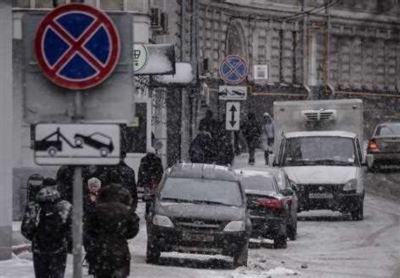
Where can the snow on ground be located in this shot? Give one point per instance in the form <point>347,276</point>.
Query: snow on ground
<point>329,244</point>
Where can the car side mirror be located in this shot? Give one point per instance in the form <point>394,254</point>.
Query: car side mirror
<point>287,192</point>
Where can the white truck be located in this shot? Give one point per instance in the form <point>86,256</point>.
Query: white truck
<point>318,144</point>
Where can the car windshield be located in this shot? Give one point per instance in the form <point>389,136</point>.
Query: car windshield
<point>319,151</point>
<point>388,130</point>
<point>258,182</point>
<point>205,191</point>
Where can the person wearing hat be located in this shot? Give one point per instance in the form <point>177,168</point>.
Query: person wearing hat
<point>268,136</point>
<point>150,173</point>
<point>50,231</point>
<point>89,205</point>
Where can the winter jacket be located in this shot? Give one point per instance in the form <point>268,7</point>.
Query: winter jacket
<point>150,172</point>
<point>124,175</point>
<point>251,129</point>
<point>47,223</point>
<point>112,223</point>
<point>203,149</point>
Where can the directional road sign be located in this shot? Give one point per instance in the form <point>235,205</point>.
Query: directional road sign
<point>232,92</point>
<point>77,46</point>
<point>76,144</point>
<point>232,119</point>
<point>233,69</point>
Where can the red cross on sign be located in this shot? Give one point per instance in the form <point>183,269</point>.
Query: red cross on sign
<point>77,46</point>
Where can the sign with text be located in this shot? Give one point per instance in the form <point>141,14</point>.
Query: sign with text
<point>76,144</point>
<point>232,117</point>
<point>150,59</point>
<point>232,92</point>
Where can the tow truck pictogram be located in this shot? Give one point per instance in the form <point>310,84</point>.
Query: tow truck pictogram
<point>53,146</point>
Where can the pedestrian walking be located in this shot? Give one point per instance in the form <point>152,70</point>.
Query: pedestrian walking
<point>251,131</point>
<point>49,229</point>
<point>112,224</point>
<point>225,154</point>
<point>89,205</point>
<point>268,136</point>
<point>209,124</point>
<point>203,148</point>
<point>150,173</point>
<point>122,174</point>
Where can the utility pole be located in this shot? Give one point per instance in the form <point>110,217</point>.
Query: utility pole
<point>305,43</point>
<point>326,49</point>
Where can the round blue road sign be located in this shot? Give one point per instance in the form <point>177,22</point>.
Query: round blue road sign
<point>233,69</point>
<point>77,46</point>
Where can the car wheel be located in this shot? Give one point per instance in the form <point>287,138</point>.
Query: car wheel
<point>78,141</point>
<point>153,252</point>
<point>104,152</point>
<point>52,151</point>
<point>240,258</point>
<point>292,230</point>
<point>280,242</point>
<point>358,214</point>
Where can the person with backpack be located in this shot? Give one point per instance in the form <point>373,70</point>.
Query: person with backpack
<point>49,229</point>
<point>251,131</point>
<point>112,223</point>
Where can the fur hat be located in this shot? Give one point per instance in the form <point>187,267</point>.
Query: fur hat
<point>49,182</point>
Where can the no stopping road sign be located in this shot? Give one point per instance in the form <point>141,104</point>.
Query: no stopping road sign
<point>77,46</point>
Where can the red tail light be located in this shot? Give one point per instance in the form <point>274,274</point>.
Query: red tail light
<point>270,203</point>
<point>373,146</point>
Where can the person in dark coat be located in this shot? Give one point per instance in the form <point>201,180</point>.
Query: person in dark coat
<point>251,131</point>
<point>89,205</point>
<point>225,154</point>
<point>150,173</point>
<point>124,175</point>
<point>49,229</point>
<point>209,124</point>
<point>203,148</point>
<point>113,223</point>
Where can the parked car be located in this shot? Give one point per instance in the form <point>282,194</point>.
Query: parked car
<point>199,208</point>
<point>272,204</point>
<point>384,146</point>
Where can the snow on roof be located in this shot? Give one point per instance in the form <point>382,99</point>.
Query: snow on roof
<point>332,133</point>
<point>254,172</point>
<point>183,75</point>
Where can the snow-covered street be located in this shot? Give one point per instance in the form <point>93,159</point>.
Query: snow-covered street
<point>328,245</point>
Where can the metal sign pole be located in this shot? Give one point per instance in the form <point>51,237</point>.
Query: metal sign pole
<point>77,212</point>
<point>77,209</point>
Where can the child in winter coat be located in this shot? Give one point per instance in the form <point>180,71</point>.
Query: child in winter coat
<point>48,226</point>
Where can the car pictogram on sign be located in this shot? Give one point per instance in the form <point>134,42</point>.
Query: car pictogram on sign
<point>77,46</point>
<point>96,140</point>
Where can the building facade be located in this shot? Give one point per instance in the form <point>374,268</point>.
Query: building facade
<point>295,49</point>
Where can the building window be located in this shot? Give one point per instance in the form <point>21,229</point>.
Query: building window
<point>137,136</point>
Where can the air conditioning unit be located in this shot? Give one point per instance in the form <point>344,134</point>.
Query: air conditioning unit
<point>260,72</point>
<point>319,115</point>
<point>155,17</point>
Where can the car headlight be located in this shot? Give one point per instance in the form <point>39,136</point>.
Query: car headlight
<point>350,185</point>
<point>163,221</point>
<point>235,226</point>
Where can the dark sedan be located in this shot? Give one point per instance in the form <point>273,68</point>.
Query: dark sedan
<point>272,204</point>
<point>384,146</point>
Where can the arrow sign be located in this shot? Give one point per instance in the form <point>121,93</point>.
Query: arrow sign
<point>232,119</point>
<point>232,110</point>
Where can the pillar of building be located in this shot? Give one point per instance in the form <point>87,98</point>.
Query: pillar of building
<point>6,105</point>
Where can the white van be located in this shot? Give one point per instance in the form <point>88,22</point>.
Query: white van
<point>317,143</point>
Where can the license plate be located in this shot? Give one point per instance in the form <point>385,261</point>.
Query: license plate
<point>197,237</point>
<point>320,195</point>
